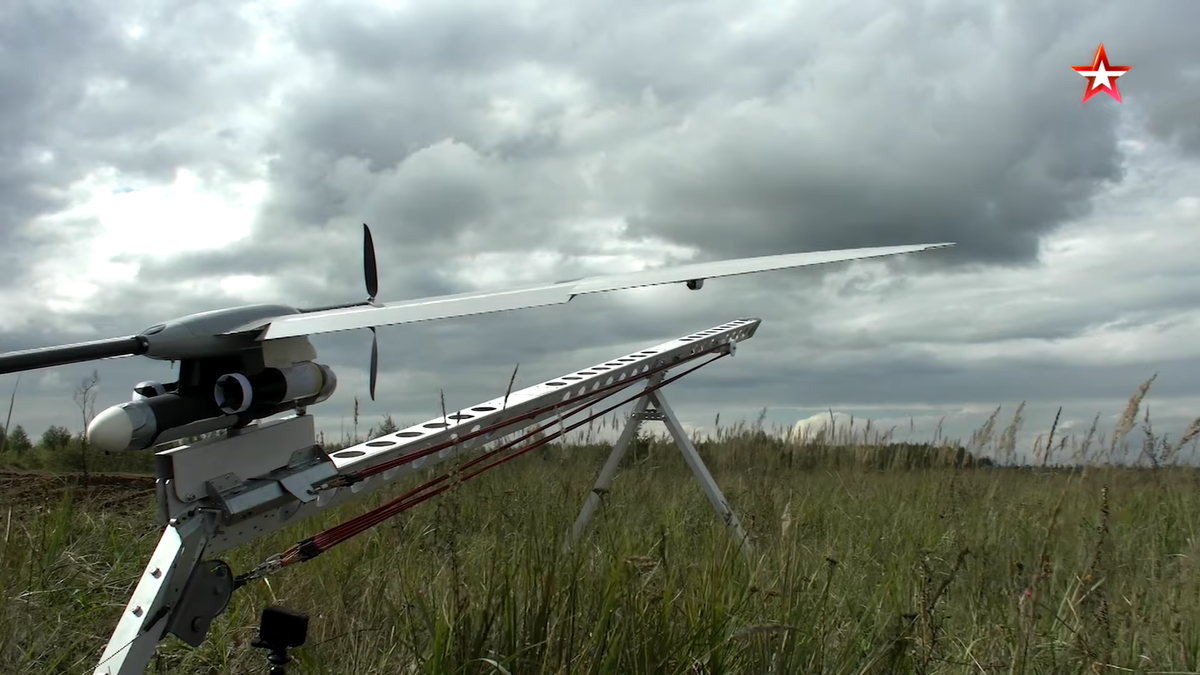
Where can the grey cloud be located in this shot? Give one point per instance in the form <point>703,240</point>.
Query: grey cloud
<point>81,95</point>
<point>470,360</point>
<point>849,127</point>
<point>44,57</point>
<point>308,267</point>
<point>1164,84</point>
<point>777,154</point>
<point>993,178</point>
<point>444,38</point>
<point>120,309</point>
<point>880,380</point>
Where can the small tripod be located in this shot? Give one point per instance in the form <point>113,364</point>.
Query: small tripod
<point>279,630</point>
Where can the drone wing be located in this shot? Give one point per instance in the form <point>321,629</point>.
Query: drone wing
<point>482,302</point>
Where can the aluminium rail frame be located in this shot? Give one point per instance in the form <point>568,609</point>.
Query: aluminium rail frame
<point>222,492</point>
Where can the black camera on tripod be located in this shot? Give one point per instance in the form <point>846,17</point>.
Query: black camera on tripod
<point>280,629</point>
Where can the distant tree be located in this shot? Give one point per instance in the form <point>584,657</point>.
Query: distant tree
<point>387,426</point>
<point>18,441</point>
<point>8,420</point>
<point>56,439</point>
<point>85,398</point>
<point>355,419</point>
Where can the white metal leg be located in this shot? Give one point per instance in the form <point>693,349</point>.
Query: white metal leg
<point>144,621</point>
<point>666,415</point>
<point>609,472</point>
<point>707,483</point>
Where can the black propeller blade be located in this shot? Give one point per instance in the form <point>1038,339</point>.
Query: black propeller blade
<point>371,277</point>
<point>370,271</point>
<point>374,361</point>
<point>371,274</point>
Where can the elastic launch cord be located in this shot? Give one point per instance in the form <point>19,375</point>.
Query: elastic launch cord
<point>317,544</point>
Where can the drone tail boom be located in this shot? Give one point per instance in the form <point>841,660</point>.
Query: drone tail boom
<point>47,357</point>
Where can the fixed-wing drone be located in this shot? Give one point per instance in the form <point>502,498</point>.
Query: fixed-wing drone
<point>242,364</point>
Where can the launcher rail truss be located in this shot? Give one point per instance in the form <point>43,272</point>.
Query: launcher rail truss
<point>223,492</point>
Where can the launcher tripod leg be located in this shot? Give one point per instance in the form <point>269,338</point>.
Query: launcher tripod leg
<point>609,472</point>
<point>667,416</point>
<point>152,606</point>
<point>662,412</point>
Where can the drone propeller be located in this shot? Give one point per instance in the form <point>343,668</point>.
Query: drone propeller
<point>370,271</point>
<point>371,274</point>
<point>374,361</point>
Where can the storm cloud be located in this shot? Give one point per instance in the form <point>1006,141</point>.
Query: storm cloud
<point>492,146</point>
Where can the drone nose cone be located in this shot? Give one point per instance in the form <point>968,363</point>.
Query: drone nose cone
<point>111,430</point>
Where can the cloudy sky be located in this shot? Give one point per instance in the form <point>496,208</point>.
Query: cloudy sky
<point>165,158</point>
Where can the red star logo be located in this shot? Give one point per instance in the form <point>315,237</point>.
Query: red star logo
<point>1101,76</point>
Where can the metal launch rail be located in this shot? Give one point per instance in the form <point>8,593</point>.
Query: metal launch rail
<point>223,492</point>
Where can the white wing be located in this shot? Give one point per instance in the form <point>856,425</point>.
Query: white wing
<point>482,302</point>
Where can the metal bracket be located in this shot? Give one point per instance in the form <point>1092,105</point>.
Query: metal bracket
<point>206,595</point>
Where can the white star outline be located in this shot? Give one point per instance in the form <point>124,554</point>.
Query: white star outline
<point>1102,76</point>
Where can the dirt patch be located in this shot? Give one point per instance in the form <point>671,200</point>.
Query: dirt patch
<point>122,491</point>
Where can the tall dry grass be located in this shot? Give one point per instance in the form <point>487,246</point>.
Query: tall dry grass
<point>870,557</point>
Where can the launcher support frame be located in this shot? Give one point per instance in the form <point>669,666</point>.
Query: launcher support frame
<point>661,412</point>
<point>222,492</point>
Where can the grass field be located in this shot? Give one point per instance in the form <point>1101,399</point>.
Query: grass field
<point>869,558</point>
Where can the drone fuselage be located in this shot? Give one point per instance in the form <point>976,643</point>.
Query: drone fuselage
<point>220,360</point>
<point>212,334</point>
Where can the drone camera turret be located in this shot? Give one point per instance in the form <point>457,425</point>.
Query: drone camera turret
<point>695,284</point>
<point>158,415</point>
<point>149,420</point>
<point>148,389</point>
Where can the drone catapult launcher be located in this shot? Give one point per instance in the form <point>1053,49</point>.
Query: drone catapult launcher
<point>250,374</point>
